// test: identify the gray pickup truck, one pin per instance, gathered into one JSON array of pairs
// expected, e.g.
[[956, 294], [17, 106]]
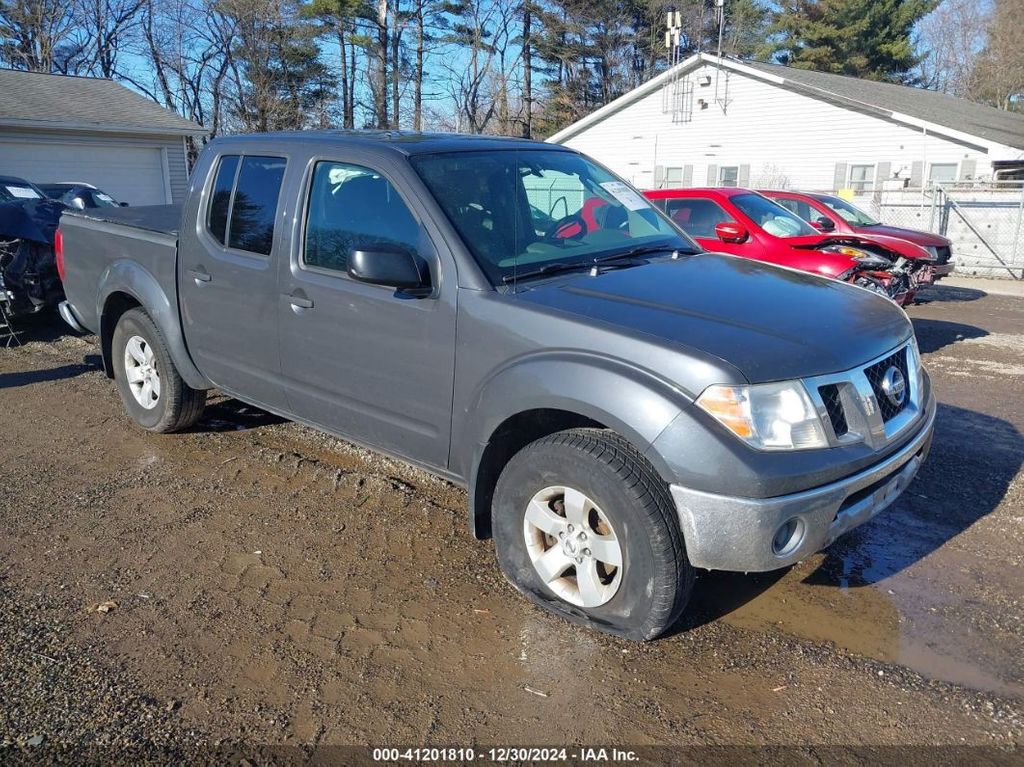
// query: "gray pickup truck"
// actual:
[[622, 407]]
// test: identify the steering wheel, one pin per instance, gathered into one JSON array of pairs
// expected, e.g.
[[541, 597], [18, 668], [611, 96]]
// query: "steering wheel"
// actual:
[[554, 232]]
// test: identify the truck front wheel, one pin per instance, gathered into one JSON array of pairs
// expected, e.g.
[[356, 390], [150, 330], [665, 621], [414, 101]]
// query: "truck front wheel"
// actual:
[[153, 392], [584, 527]]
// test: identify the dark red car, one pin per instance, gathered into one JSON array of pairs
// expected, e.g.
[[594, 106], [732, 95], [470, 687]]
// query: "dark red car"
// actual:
[[745, 223], [829, 213]]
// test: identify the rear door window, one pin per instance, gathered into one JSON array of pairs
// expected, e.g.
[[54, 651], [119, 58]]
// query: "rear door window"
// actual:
[[254, 204], [220, 198]]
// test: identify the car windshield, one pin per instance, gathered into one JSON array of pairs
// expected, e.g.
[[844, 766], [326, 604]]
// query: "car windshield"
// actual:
[[524, 210], [12, 190], [104, 200], [771, 216], [850, 212]]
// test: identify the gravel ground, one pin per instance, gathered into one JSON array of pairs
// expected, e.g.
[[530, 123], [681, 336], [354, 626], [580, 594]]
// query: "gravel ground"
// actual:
[[279, 587]]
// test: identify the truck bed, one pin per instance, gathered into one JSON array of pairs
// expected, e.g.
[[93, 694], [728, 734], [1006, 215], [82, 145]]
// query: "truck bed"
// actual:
[[134, 249], [164, 219]]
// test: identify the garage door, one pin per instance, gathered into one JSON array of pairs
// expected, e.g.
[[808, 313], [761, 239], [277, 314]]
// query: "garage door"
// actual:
[[131, 174]]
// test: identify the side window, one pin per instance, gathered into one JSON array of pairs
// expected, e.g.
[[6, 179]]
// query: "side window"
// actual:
[[220, 198], [353, 207], [800, 208], [697, 216], [254, 207]]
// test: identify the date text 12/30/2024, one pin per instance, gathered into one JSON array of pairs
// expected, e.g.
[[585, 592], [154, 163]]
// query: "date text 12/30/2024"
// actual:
[[503, 754]]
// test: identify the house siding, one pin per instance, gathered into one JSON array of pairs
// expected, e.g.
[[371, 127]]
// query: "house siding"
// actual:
[[786, 138], [177, 166]]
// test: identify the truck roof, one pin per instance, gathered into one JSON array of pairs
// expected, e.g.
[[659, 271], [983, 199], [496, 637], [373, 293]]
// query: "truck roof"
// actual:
[[404, 142]]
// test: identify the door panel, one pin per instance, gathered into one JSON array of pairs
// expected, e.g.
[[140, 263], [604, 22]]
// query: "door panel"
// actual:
[[364, 360], [229, 296]]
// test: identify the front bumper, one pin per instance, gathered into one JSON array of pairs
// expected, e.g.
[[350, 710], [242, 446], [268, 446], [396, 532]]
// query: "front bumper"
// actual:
[[743, 534]]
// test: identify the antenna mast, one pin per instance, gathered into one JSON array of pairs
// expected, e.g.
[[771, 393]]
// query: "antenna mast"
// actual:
[[723, 101]]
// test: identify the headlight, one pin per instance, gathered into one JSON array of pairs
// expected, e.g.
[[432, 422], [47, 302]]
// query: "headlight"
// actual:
[[774, 416], [914, 364], [932, 251], [860, 256]]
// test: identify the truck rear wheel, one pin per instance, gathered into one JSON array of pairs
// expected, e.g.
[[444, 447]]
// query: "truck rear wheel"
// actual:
[[584, 527], [153, 392]]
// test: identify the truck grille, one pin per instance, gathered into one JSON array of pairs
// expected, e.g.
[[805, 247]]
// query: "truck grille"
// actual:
[[943, 254], [876, 374], [834, 406]]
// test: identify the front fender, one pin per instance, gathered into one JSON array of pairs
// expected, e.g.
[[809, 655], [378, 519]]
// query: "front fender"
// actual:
[[633, 402], [133, 279]]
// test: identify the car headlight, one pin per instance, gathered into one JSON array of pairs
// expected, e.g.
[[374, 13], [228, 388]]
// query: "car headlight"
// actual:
[[914, 364], [860, 256], [932, 251], [773, 416]]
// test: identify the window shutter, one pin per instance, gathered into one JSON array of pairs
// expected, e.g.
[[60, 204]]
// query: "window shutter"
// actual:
[[659, 176], [839, 179], [744, 176], [916, 174], [712, 175], [883, 172], [968, 169], [687, 175]]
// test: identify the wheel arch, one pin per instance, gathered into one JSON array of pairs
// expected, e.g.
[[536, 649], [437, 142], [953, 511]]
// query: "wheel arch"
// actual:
[[127, 285], [619, 399]]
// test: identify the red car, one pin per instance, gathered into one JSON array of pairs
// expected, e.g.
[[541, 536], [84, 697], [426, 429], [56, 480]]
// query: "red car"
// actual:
[[829, 213], [745, 223]]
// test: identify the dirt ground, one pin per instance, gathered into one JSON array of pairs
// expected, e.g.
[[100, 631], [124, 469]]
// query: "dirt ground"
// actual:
[[277, 586]]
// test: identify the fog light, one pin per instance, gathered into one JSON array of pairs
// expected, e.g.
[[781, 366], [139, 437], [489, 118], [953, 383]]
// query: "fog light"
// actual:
[[788, 537]]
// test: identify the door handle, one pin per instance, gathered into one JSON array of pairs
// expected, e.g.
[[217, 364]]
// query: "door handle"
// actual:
[[301, 302], [200, 275]]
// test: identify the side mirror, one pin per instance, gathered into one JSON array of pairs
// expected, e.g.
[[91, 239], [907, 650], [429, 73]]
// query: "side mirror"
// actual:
[[730, 231], [123, 204], [823, 224], [78, 203], [391, 267]]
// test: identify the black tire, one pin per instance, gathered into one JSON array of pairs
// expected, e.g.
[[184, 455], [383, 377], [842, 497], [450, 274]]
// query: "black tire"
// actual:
[[656, 578], [178, 405]]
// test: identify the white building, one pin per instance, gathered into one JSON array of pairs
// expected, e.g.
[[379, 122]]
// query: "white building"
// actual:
[[711, 122]]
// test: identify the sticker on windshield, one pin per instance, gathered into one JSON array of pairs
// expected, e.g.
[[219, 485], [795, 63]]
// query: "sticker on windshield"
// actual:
[[625, 195], [23, 192]]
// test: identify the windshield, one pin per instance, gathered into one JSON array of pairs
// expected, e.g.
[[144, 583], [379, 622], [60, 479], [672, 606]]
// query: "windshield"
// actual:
[[850, 213], [104, 200], [522, 210], [771, 216], [13, 190]]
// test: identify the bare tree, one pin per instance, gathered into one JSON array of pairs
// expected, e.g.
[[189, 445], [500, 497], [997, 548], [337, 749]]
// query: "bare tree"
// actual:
[[998, 78], [952, 36], [104, 29], [34, 34]]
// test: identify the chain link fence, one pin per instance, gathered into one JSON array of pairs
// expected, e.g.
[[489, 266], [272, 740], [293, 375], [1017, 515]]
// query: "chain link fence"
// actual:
[[983, 220]]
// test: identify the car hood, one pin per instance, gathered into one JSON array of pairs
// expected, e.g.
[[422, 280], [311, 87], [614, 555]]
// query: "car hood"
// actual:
[[767, 322], [910, 235]]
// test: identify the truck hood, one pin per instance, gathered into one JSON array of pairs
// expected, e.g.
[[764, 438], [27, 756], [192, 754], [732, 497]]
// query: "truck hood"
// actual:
[[767, 322]]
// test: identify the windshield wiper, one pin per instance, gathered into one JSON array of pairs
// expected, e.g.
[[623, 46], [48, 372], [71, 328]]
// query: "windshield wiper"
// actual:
[[643, 250], [547, 269], [613, 259]]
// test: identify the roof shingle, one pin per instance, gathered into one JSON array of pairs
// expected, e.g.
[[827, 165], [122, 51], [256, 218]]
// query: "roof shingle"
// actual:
[[939, 108], [39, 99]]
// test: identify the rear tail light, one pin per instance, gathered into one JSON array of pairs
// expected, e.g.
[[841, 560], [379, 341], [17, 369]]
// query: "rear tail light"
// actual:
[[58, 251]]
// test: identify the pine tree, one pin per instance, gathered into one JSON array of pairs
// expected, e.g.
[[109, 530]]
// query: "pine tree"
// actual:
[[862, 38]]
